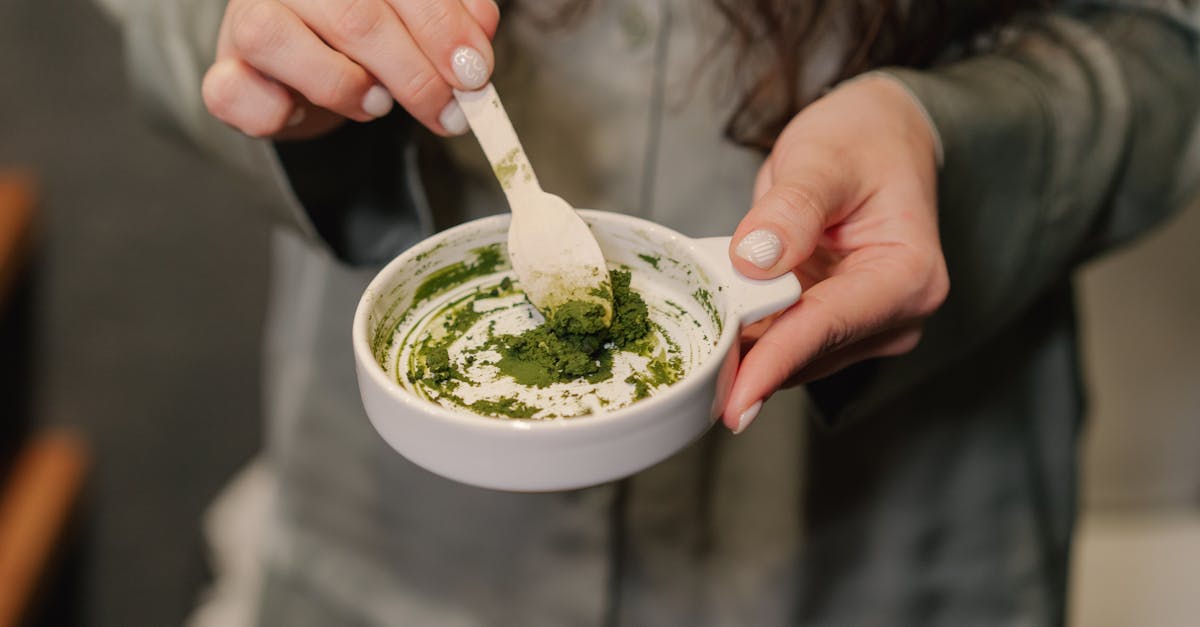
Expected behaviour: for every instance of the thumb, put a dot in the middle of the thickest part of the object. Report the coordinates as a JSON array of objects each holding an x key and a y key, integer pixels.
[{"x": 795, "y": 200}]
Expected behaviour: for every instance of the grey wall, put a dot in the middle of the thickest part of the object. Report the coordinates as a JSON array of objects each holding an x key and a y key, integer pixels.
[{"x": 1142, "y": 337}]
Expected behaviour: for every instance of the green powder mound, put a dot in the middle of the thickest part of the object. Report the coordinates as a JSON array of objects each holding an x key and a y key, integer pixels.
[
  {"x": 574, "y": 343},
  {"x": 630, "y": 324},
  {"x": 577, "y": 317},
  {"x": 437, "y": 363}
]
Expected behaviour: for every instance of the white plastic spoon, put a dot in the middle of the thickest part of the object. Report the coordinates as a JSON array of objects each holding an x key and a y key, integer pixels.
[{"x": 553, "y": 253}]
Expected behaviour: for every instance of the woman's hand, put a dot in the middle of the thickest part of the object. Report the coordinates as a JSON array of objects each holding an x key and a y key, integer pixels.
[
  {"x": 298, "y": 68},
  {"x": 847, "y": 201}
]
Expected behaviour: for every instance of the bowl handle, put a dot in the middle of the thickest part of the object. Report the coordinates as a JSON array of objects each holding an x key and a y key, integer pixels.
[{"x": 750, "y": 300}]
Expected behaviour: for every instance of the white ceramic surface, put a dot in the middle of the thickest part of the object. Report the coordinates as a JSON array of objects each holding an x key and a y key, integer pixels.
[{"x": 560, "y": 454}]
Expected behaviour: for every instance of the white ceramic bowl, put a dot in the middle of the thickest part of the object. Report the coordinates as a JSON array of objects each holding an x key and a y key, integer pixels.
[{"x": 559, "y": 454}]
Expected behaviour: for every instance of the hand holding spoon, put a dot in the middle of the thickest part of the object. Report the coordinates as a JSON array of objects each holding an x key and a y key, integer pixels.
[{"x": 553, "y": 253}]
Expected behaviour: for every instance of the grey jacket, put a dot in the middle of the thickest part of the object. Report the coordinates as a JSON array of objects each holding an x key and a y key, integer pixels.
[{"x": 937, "y": 488}]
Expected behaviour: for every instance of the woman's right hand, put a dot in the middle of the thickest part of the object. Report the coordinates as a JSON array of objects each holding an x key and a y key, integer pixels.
[{"x": 293, "y": 69}]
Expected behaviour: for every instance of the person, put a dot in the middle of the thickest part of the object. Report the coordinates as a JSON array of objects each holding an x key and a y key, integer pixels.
[{"x": 934, "y": 202}]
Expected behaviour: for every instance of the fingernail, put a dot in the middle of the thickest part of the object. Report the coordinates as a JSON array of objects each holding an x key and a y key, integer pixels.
[
  {"x": 761, "y": 247},
  {"x": 377, "y": 102},
  {"x": 453, "y": 119},
  {"x": 747, "y": 417},
  {"x": 469, "y": 67},
  {"x": 297, "y": 116}
]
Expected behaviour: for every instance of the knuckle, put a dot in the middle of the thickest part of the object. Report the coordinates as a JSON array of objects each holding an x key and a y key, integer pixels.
[
  {"x": 926, "y": 272},
  {"x": 798, "y": 199},
  {"x": 837, "y": 335},
  {"x": 432, "y": 19},
  {"x": 335, "y": 91},
  {"x": 258, "y": 29},
  {"x": 226, "y": 97},
  {"x": 270, "y": 120},
  {"x": 941, "y": 288},
  {"x": 838, "y": 331},
  {"x": 262, "y": 126},
  {"x": 487, "y": 14},
  {"x": 358, "y": 19},
  {"x": 419, "y": 88},
  {"x": 783, "y": 361},
  {"x": 797, "y": 208},
  {"x": 937, "y": 288},
  {"x": 219, "y": 93},
  {"x": 902, "y": 345}
]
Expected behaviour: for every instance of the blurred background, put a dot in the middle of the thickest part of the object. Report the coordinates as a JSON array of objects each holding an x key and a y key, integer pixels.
[
  {"x": 149, "y": 269},
  {"x": 143, "y": 322}
]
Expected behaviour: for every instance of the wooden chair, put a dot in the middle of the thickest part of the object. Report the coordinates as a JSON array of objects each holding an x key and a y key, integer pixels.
[{"x": 46, "y": 477}]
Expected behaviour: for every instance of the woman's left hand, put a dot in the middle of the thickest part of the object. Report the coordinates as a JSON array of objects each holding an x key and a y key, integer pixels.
[{"x": 847, "y": 201}]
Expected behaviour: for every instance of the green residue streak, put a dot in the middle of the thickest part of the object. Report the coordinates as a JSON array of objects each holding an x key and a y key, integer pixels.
[
  {"x": 506, "y": 168},
  {"x": 704, "y": 297},
  {"x": 660, "y": 371},
  {"x": 487, "y": 259},
  {"x": 507, "y": 407},
  {"x": 436, "y": 367},
  {"x": 650, "y": 259}
]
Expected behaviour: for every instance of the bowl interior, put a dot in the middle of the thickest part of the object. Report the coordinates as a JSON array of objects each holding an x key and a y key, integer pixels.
[{"x": 667, "y": 271}]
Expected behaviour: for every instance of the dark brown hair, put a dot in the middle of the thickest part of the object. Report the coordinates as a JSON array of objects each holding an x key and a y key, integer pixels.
[{"x": 773, "y": 39}]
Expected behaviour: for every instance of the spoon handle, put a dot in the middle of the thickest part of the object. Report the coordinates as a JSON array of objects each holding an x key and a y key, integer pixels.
[{"x": 496, "y": 136}]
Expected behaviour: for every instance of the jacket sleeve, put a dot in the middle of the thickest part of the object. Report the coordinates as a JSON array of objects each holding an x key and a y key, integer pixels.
[
  {"x": 356, "y": 191},
  {"x": 1075, "y": 132}
]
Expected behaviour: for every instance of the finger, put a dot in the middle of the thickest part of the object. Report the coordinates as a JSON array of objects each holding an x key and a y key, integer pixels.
[
  {"x": 239, "y": 96},
  {"x": 451, "y": 38},
  {"x": 308, "y": 121},
  {"x": 888, "y": 344},
  {"x": 764, "y": 180},
  {"x": 782, "y": 228},
  {"x": 371, "y": 34},
  {"x": 869, "y": 293},
  {"x": 274, "y": 40},
  {"x": 486, "y": 14}
]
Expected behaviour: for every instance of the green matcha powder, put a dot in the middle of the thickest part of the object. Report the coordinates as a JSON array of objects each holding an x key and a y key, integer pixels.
[{"x": 572, "y": 344}]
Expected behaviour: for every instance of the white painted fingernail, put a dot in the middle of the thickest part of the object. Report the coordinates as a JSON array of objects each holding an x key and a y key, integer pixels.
[
  {"x": 469, "y": 67},
  {"x": 453, "y": 119},
  {"x": 747, "y": 417},
  {"x": 297, "y": 116},
  {"x": 761, "y": 247},
  {"x": 377, "y": 102}
]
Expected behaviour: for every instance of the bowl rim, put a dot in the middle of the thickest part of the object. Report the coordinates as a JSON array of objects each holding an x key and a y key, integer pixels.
[{"x": 629, "y": 413}]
